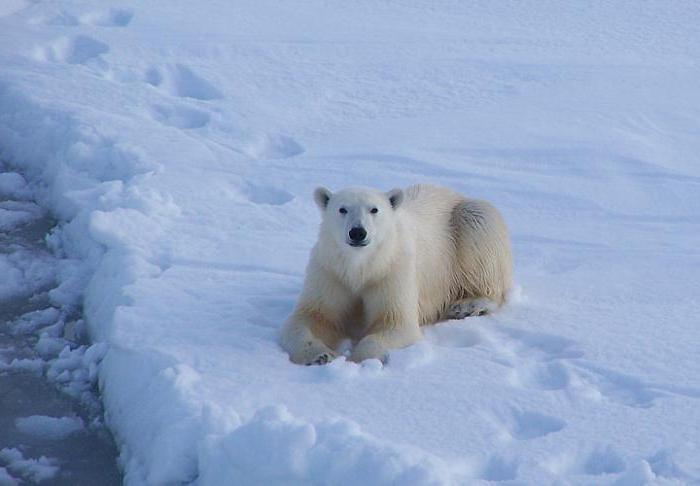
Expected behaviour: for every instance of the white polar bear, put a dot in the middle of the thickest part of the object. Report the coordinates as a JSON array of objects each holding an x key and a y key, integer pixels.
[{"x": 387, "y": 263}]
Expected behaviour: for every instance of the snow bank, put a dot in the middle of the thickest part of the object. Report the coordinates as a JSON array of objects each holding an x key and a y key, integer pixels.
[
  {"x": 181, "y": 166},
  {"x": 297, "y": 452}
]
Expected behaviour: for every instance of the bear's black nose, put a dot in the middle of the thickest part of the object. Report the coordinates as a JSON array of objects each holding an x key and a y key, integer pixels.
[{"x": 358, "y": 234}]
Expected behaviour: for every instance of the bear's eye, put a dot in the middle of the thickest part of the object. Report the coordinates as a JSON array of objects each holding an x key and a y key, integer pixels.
[
  {"x": 343, "y": 211},
  {"x": 374, "y": 210}
]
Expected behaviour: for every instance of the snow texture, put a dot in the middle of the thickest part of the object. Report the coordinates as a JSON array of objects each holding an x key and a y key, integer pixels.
[{"x": 179, "y": 143}]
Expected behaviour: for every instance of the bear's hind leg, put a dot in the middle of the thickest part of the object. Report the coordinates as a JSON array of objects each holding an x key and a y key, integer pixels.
[
  {"x": 470, "y": 307},
  {"x": 485, "y": 262}
]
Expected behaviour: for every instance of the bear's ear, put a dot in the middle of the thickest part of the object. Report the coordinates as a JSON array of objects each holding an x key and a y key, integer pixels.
[
  {"x": 395, "y": 197},
  {"x": 322, "y": 196}
]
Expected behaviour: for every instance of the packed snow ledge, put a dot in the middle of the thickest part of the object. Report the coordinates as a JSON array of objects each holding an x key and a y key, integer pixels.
[{"x": 179, "y": 143}]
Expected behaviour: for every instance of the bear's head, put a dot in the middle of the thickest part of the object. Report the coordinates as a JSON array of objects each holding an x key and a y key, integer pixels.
[{"x": 358, "y": 218}]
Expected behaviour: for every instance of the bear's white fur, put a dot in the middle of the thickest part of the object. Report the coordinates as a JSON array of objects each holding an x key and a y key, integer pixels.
[{"x": 429, "y": 254}]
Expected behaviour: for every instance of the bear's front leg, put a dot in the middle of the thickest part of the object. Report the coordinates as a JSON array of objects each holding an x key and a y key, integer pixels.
[
  {"x": 392, "y": 312},
  {"x": 314, "y": 330},
  {"x": 369, "y": 347},
  {"x": 303, "y": 344}
]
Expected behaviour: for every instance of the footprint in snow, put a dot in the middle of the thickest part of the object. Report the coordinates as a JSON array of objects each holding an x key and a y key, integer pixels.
[
  {"x": 599, "y": 461},
  {"x": 179, "y": 80},
  {"x": 272, "y": 147},
  {"x": 453, "y": 335},
  {"x": 78, "y": 49},
  {"x": 61, "y": 18},
  {"x": 664, "y": 464},
  {"x": 625, "y": 389},
  {"x": 541, "y": 361},
  {"x": 113, "y": 17},
  {"x": 538, "y": 345},
  {"x": 603, "y": 461},
  {"x": 263, "y": 194},
  {"x": 528, "y": 425},
  {"x": 499, "y": 468},
  {"x": 180, "y": 116},
  {"x": 541, "y": 376}
]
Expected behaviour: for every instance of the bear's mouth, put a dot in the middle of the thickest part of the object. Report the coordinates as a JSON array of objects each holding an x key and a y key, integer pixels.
[{"x": 357, "y": 244}]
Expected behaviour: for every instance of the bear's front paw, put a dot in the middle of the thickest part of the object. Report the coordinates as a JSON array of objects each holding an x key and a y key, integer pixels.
[
  {"x": 369, "y": 348},
  {"x": 322, "y": 359}
]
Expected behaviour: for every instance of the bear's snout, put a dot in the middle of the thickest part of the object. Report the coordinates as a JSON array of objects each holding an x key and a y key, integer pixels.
[{"x": 357, "y": 236}]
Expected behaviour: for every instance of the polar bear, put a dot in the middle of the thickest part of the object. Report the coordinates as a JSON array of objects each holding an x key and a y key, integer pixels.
[{"x": 387, "y": 263}]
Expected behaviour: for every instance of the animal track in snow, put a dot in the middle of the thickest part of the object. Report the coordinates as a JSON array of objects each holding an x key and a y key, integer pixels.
[
  {"x": 113, "y": 17},
  {"x": 453, "y": 335},
  {"x": 180, "y": 116},
  {"x": 599, "y": 461},
  {"x": 603, "y": 461},
  {"x": 527, "y": 425},
  {"x": 79, "y": 49},
  {"x": 541, "y": 376},
  {"x": 62, "y": 18},
  {"x": 626, "y": 389},
  {"x": 179, "y": 80},
  {"x": 541, "y": 346},
  {"x": 272, "y": 147},
  {"x": 664, "y": 465},
  {"x": 541, "y": 361},
  {"x": 498, "y": 468},
  {"x": 261, "y": 194}
]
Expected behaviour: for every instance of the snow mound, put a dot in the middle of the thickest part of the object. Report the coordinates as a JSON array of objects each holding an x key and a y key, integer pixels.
[{"x": 296, "y": 452}]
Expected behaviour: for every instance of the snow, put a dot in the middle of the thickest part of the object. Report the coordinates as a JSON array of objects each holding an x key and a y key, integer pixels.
[
  {"x": 179, "y": 145},
  {"x": 49, "y": 427},
  {"x": 13, "y": 185}
]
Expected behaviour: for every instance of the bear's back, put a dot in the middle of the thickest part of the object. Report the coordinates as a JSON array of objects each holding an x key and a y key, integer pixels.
[{"x": 429, "y": 212}]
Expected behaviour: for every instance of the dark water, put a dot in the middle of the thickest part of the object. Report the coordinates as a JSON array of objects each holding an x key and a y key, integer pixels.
[{"x": 86, "y": 457}]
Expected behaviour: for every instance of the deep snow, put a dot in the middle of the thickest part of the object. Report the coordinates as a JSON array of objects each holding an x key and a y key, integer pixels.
[{"x": 179, "y": 143}]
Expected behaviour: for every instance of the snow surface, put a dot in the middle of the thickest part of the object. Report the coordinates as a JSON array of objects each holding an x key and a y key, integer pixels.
[{"x": 179, "y": 143}]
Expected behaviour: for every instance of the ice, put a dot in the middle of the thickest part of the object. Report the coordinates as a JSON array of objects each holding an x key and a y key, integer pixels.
[
  {"x": 23, "y": 273},
  {"x": 36, "y": 365},
  {"x": 178, "y": 145},
  {"x": 35, "y": 470},
  {"x": 12, "y": 282},
  {"x": 49, "y": 427},
  {"x": 33, "y": 320},
  {"x": 6, "y": 478}
]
